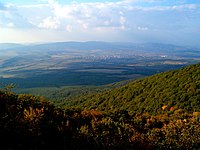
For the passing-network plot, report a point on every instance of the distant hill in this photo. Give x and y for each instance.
(162, 92)
(9, 45)
(105, 46)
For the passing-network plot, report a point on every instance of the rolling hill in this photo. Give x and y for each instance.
(177, 89)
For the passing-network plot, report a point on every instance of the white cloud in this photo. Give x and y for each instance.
(122, 20)
(109, 20)
(10, 25)
(142, 28)
(136, 1)
(183, 7)
(116, 15)
(90, 15)
(49, 23)
(69, 28)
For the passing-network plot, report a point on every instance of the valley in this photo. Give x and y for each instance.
(87, 63)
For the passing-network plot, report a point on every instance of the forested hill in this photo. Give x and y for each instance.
(29, 122)
(179, 89)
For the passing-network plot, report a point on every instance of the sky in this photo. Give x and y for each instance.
(139, 21)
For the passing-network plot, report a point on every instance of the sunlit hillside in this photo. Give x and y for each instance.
(178, 89)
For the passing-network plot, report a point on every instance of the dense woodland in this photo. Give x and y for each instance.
(172, 90)
(157, 112)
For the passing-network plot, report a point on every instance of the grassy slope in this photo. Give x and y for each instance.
(174, 89)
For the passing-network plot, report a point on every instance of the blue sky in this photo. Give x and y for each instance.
(161, 21)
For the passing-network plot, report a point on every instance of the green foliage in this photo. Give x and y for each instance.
(173, 89)
(65, 95)
(29, 122)
(7, 88)
(159, 112)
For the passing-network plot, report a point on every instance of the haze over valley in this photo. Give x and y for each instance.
(88, 63)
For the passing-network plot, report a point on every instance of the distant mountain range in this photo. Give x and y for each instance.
(9, 45)
(91, 45)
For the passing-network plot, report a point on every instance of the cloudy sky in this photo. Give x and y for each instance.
(160, 21)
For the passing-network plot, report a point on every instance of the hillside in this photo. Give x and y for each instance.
(30, 122)
(178, 89)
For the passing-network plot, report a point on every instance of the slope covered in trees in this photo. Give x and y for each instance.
(29, 122)
(179, 89)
